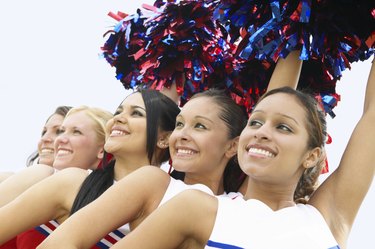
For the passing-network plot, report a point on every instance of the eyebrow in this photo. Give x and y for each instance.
(137, 107)
(197, 117)
(281, 114)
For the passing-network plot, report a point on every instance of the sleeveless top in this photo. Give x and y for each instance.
(252, 224)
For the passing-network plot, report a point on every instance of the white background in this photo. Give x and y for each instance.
(49, 57)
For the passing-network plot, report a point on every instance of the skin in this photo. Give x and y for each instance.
(77, 144)
(338, 198)
(198, 146)
(50, 131)
(128, 125)
(78, 133)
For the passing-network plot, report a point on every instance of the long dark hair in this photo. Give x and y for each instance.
(161, 114)
(235, 119)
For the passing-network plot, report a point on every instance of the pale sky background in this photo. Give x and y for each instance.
(50, 57)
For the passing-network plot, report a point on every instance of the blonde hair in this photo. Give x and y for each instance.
(99, 117)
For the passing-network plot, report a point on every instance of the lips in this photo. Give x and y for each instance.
(45, 151)
(118, 132)
(260, 151)
(184, 151)
(63, 152)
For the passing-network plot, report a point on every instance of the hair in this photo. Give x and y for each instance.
(99, 117)
(161, 114)
(60, 110)
(235, 119)
(317, 129)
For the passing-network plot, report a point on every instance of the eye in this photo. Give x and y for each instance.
(284, 127)
(179, 124)
(255, 123)
(137, 113)
(77, 132)
(199, 126)
(59, 131)
(43, 132)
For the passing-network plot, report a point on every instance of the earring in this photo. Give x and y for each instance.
(162, 145)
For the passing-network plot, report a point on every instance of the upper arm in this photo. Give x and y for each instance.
(134, 196)
(17, 183)
(286, 72)
(340, 196)
(49, 199)
(187, 219)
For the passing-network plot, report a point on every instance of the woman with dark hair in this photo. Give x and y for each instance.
(203, 149)
(281, 151)
(137, 136)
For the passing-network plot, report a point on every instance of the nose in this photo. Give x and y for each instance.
(46, 138)
(61, 138)
(120, 118)
(183, 134)
(262, 133)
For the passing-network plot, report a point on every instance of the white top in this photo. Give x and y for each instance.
(252, 224)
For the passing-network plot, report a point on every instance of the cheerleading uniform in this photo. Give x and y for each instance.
(252, 224)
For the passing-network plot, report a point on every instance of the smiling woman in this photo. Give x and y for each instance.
(32, 72)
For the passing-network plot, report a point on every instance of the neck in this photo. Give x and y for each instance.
(273, 195)
(214, 183)
(126, 165)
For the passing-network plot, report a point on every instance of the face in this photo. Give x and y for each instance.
(200, 138)
(77, 144)
(273, 145)
(46, 143)
(127, 130)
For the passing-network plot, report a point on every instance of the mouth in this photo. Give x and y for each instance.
(46, 151)
(185, 152)
(63, 152)
(118, 133)
(260, 152)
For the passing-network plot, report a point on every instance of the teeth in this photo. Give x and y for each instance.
(187, 152)
(63, 152)
(117, 132)
(45, 151)
(261, 152)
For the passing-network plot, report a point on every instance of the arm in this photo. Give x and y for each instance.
(340, 196)
(175, 224)
(130, 199)
(5, 175)
(287, 72)
(47, 200)
(17, 183)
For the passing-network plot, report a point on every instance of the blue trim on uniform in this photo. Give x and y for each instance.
(335, 247)
(221, 245)
(42, 231)
(119, 233)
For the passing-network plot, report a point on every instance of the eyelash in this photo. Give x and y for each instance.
(280, 126)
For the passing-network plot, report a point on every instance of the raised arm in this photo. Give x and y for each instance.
(17, 183)
(340, 196)
(49, 199)
(185, 221)
(129, 200)
(287, 72)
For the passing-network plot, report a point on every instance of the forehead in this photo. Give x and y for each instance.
(201, 106)
(78, 119)
(134, 99)
(282, 103)
(54, 120)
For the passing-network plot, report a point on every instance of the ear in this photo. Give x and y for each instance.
(100, 154)
(232, 149)
(312, 157)
(163, 139)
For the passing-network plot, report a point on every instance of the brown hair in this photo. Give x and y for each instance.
(317, 129)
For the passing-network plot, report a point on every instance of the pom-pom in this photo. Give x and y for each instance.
(125, 39)
(183, 46)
